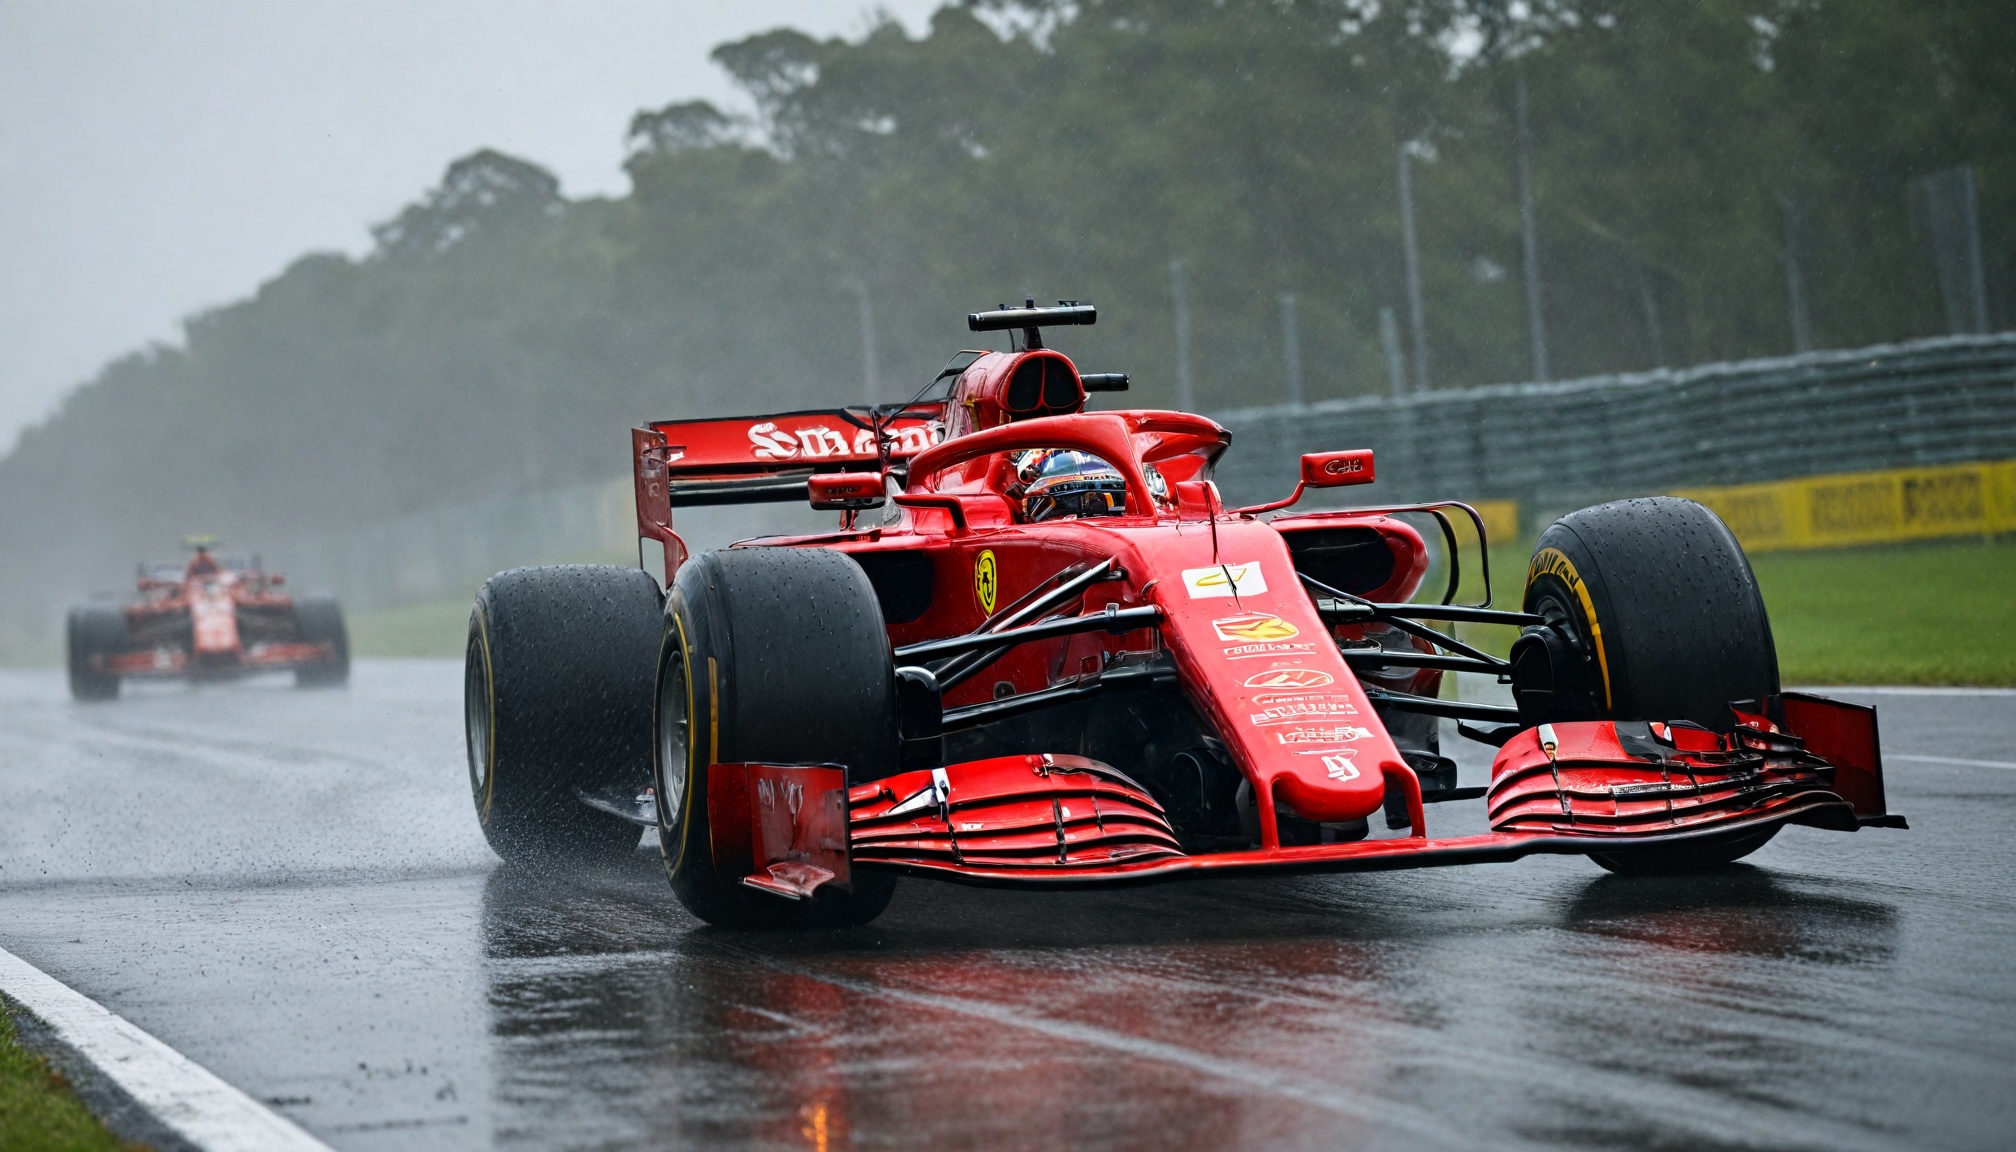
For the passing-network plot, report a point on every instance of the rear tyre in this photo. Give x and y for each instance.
(93, 632)
(1655, 615)
(557, 700)
(776, 655)
(318, 620)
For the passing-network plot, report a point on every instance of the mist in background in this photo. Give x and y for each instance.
(1272, 203)
(160, 158)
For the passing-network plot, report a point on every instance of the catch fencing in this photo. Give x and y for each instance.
(1549, 447)
(1539, 448)
(1554, 447)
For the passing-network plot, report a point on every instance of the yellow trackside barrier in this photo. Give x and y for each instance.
(1501, 519)
(1868, 507)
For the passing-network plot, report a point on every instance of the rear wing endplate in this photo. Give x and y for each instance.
(761, 459)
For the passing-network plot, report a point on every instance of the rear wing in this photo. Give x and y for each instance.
(762, 459)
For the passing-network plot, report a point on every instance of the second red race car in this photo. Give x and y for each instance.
(216, 617)
(1037, 650)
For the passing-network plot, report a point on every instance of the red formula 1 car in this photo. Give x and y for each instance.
(1038, 651)
(216, 617)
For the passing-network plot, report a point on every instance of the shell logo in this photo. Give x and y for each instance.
(1291, 679)
(1254, 626)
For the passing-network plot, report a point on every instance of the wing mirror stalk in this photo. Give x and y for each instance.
(1324, 470)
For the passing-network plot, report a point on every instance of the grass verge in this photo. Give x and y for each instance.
(436, 628)
(1905, 614)
(38, 1112)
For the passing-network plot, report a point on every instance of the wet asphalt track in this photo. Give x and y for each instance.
(290, 888)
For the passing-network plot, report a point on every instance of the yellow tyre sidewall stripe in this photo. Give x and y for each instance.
(686, 799)
(490, 706)
(1553, 562)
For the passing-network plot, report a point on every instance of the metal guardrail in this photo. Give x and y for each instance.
(1556, 446)
(1550, 447)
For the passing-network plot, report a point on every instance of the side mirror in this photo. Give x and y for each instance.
(1103, 381)
(1337, 469)
(846, 491)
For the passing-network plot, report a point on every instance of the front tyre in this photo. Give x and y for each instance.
(92, 633)
(1688, 858)
(557, 701)
(1654, 614)
(771, 655)
(1659, 610)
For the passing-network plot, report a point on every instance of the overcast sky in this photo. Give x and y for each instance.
(158, 157)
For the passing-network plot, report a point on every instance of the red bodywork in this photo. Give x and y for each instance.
(1251, 654)
(214, 618)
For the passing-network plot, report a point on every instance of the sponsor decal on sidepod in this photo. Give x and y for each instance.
(986, 580)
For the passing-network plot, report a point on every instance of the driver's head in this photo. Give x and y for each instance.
(1058, 482)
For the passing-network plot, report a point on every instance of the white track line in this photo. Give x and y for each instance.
(1903, 690)
(1954, 760)
(175, 1090)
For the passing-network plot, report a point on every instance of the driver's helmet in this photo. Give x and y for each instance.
(1058, 482)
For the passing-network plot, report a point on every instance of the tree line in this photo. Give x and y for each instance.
(1710, 180)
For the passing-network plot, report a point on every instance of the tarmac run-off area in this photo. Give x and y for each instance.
(289, 888)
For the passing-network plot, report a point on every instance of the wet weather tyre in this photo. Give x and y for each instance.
(1687, 858)
(1664, 621)
(557, 681)
(94, 632)
(775, 655)
(319, 620)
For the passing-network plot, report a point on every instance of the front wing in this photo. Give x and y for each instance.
(1045, 821)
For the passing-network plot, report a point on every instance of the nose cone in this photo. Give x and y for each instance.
(1267, 672)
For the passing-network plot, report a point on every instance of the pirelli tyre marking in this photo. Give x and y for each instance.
(1551, 562)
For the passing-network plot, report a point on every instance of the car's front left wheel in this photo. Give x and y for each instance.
(1653, 614)
(769, 655)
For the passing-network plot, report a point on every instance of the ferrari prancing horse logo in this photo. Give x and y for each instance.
(986, 580)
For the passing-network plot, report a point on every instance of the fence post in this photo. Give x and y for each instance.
(1291, 349)
(1795, 284)
(1186, 392)
(1416, 316)
(1529, 237)
(1389, 342)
